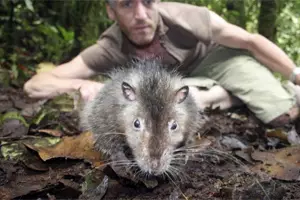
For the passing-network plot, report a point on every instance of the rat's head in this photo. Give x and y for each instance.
(156, 117)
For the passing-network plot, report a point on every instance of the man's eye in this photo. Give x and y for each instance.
(127, 3)
(148, 2)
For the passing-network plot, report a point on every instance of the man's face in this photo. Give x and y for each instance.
(138, 19)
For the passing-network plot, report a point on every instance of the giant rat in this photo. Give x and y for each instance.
(141, 116)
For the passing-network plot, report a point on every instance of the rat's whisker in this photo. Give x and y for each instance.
(127, 163)
(213, 153)
(199, 147)
(176, 186)
(107, 134)
(180, 173)
(174, 174)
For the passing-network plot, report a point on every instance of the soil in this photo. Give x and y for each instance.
(225, 174)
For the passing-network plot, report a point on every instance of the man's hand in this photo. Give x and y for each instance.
(89, 89)
(65, 78)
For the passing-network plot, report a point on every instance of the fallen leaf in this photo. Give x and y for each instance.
(41, 115)
(45, 67)
(202, 142)
(13, 115)
(11, 151)
(262, 190)
(55, 133)
(7, 168)
(64, 102)
(282, 164)
(13, 128)
(245, 154)
(238, 117)
(16, 151)
(5, 105)
(43, 142)
(277, 133)
(37, 185)
(95, 185)
(13, 124)
(35, 163)
(293, 137)
(232, 143)
(76, 147)
(30, 110)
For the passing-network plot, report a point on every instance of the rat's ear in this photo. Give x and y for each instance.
(181, 94)
(128, 91)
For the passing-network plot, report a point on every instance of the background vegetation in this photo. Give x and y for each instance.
(34, 31)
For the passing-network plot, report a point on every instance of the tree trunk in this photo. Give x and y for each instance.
(10, 27)
(239, 8)
(267, 19)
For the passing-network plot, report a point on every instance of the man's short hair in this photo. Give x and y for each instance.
(110, 2)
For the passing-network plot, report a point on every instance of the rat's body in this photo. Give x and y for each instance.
(147, 109)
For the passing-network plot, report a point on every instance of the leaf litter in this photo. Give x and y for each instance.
(74, 147)
(52, 159)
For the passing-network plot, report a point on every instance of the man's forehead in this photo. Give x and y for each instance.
(130, 0)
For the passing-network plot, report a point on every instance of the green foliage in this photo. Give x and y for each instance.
(29, 39)
(97, 23)
(54, 41)
(288, 30)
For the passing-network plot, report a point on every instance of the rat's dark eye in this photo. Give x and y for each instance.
(173, 125)
(137, 124)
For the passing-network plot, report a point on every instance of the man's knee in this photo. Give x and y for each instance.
(286, 118)
(215, 97)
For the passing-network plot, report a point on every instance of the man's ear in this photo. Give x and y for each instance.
(110, 12)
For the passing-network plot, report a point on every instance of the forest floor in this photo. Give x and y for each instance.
(44, 155)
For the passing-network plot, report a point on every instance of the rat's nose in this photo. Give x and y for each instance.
(155, 166)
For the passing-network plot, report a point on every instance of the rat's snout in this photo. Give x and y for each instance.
(156, 167)
(158, 156)
(155, 164)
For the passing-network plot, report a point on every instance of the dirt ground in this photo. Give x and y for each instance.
(245, 160)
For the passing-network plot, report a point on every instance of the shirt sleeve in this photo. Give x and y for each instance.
(98, 57)
(195, 19)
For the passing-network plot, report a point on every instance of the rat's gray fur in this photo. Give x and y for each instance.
(110, 116)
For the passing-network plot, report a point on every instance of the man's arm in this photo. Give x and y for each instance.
(262, 49)
(64, 78)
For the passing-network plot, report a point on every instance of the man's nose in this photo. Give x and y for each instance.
(140, 11)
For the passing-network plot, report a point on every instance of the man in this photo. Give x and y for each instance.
(209, 51)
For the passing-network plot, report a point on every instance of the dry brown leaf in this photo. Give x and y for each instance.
(277, 133)
(281, 164)
(202, 143)
(238, 117)
(52, 132)
(76, 147)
